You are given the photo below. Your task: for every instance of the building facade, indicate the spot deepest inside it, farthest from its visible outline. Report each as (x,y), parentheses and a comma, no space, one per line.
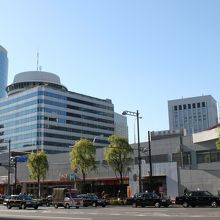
(193,114)
(121,127)
(40,113)
(3,71)
(218,107)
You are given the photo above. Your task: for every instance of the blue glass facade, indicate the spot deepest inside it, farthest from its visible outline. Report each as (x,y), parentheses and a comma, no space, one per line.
(49,119)
(3,71)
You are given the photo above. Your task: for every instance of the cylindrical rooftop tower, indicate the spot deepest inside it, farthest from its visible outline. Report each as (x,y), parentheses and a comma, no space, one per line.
(3,71)
(26,80)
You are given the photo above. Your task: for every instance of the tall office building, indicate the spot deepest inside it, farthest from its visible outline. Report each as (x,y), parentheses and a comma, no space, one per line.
(218,107)
(195,114)
(121,127)
(3,71)
(40,113)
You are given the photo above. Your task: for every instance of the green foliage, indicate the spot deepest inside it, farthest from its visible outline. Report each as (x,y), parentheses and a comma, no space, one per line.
(82,157)
(119,155)
(217,143)
(38,166)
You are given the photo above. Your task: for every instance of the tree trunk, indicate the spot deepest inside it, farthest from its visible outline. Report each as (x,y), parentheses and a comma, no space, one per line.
(121,186)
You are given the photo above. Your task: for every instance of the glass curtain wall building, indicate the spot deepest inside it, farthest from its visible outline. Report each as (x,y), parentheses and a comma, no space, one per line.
(3,71)
(40,113)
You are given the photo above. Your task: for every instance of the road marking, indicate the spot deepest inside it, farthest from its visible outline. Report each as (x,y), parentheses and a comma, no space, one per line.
(46,217)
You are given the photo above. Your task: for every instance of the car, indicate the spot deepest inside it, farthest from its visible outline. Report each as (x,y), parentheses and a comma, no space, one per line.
(197,198)
(45,201)
(2,197)
(149,199)
(91,199)
(21,201)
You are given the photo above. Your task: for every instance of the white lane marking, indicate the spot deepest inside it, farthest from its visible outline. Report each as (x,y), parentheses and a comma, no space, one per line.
(47,217)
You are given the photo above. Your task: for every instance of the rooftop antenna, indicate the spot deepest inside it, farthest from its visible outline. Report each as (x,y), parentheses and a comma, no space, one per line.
(37,59)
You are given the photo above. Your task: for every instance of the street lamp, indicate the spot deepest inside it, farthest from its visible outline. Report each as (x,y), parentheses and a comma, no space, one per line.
(94,139)
(136,114)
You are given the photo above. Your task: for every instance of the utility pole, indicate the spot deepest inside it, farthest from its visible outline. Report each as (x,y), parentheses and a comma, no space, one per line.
(150,160)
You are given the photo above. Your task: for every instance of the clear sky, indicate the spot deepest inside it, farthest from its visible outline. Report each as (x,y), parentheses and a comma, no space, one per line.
(138,53)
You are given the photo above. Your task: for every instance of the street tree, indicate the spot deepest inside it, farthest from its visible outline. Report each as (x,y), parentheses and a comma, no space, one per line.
(119,156)
(217,143)
(38,166)
(82,157)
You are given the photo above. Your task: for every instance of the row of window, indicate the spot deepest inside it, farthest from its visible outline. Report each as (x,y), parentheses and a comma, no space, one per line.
(49,94)
(53,111)
(189,106)
(184,158)
(208,156)
(57,104)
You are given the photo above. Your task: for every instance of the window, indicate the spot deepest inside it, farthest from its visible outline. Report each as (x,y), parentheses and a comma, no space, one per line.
(180,107)
(203,104)
(175,108)
(198,105)
(189,106)
(184,106)
(194,105)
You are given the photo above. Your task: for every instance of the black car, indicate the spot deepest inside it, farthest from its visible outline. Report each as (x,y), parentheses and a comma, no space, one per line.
(198,198)
(47,201)
(2,197)
(149,199)
(21,201)
(92,200)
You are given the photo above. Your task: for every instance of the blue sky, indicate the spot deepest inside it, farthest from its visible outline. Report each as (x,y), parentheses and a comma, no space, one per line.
(138,53)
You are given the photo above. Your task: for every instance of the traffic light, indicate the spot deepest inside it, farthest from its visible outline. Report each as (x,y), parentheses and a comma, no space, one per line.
(13,161)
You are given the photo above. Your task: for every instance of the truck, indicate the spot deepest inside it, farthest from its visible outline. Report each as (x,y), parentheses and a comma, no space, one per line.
(63,197)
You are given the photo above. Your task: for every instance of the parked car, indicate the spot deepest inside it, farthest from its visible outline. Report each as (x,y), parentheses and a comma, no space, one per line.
(45,201)
(198,198)
(66,198)
(149,199)
(21,201)
(92,200)
(2,197)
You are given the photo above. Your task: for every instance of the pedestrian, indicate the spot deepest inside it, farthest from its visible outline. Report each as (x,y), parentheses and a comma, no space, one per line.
(103,194)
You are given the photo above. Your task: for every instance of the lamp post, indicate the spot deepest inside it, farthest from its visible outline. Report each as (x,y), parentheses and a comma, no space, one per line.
(136,114)
(98,136)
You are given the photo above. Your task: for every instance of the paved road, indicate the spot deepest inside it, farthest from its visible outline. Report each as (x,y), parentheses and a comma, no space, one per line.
(110,213)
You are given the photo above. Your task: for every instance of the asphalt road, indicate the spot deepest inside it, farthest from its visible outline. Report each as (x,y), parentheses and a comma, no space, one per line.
(110,213)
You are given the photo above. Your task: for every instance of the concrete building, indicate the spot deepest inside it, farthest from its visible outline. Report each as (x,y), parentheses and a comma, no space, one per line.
(178,162)
(195,114)
(3,71)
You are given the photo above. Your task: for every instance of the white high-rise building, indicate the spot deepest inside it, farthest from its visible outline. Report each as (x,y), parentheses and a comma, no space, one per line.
(195,114)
